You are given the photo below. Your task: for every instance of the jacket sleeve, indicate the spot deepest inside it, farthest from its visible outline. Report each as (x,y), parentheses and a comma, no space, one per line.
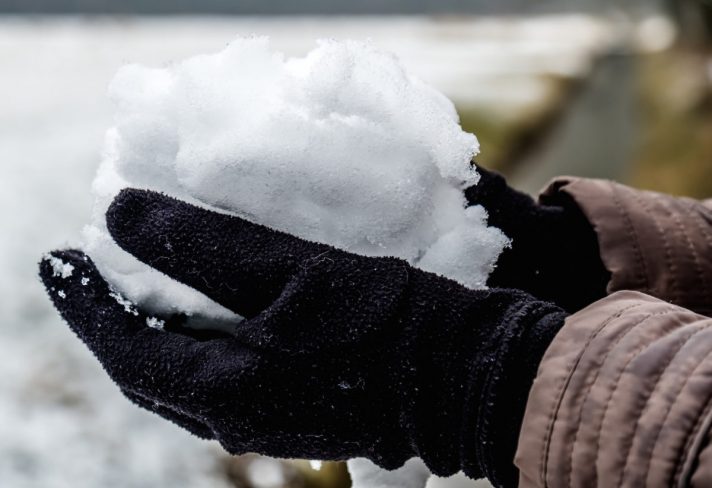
(622,397)
(650,242)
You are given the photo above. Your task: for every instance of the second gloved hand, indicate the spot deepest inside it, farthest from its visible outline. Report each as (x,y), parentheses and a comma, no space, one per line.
(339,355)
(554,253)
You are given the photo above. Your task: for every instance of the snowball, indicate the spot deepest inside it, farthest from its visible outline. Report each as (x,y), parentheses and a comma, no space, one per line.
(342,146)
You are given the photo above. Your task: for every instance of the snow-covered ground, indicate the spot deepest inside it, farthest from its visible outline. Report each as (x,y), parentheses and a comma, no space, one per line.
(62,422)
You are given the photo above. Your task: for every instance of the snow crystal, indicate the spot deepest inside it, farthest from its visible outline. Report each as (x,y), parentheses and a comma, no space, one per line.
(155,323)
(85,281)
(342,146)
(59,267)
(128,305)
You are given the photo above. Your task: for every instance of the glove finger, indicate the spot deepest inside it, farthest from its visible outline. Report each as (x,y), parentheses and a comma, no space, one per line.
(101,317)
(173,369)
(507,209)
(241,265)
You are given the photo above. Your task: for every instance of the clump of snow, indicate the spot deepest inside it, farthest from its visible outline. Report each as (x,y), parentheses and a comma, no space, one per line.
(129,306)
(341,146)
(59,267)
(155,323)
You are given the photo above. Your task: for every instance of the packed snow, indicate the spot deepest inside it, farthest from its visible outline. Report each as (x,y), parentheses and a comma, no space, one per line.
(341,146)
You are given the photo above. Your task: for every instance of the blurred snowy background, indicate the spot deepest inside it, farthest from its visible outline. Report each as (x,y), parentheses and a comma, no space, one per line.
(608,89)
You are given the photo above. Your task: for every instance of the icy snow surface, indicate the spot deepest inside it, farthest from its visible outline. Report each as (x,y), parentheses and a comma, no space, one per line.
(341,146)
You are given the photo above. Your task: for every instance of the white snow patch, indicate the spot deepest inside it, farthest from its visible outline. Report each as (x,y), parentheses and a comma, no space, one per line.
(62,294)
(265,473)
(366,474)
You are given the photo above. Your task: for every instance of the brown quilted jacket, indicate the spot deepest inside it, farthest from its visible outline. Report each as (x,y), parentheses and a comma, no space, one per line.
(623,396)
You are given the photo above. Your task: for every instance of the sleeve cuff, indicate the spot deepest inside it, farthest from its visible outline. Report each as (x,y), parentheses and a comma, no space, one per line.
(649,242)
(621,397)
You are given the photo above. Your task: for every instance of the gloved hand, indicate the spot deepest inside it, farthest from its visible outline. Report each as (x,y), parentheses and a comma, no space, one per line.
(339,355)
(554,254)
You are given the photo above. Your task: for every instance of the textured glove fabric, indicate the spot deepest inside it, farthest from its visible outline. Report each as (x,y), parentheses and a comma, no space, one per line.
(554,253)
(338,356)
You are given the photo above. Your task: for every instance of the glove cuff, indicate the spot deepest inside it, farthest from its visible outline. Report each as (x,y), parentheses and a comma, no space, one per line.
(554,253)
(497,397)
(475,357)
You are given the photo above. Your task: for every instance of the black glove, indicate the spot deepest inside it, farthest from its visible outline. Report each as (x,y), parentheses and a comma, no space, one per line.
(339,355)
(554,254)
